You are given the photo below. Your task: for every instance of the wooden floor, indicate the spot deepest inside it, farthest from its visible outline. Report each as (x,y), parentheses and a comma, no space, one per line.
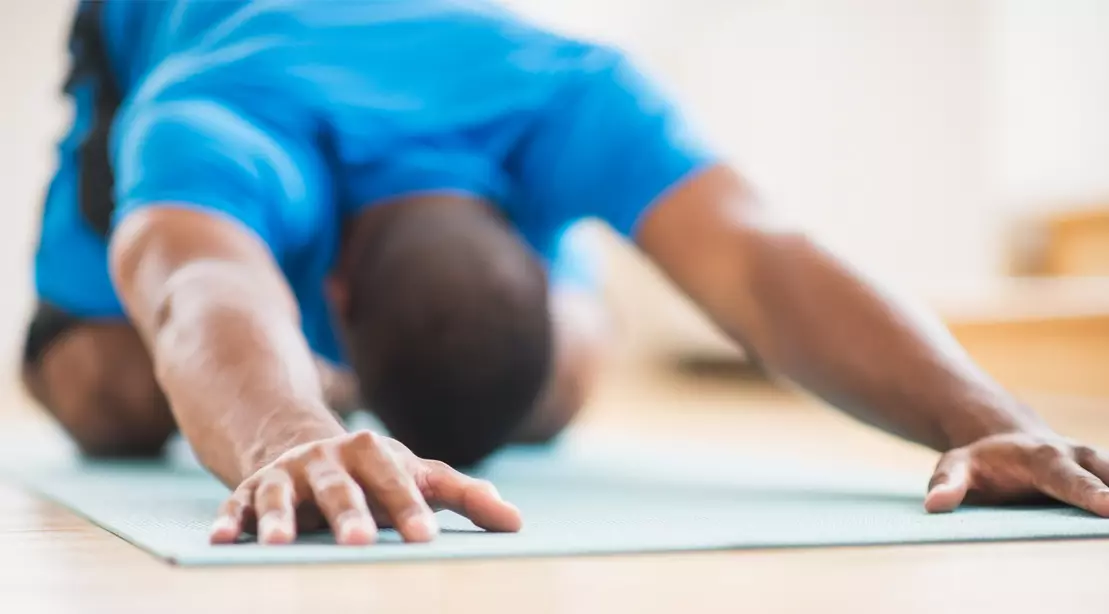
(52,561)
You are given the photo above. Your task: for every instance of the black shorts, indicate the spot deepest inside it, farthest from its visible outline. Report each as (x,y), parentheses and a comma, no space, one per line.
(48,324)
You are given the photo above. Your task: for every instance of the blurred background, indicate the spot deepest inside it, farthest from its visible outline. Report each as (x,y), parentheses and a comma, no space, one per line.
(942,145)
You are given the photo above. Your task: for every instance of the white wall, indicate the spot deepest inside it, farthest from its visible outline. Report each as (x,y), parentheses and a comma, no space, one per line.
(31,118)
(862,117)
(1050,63)
(865,118)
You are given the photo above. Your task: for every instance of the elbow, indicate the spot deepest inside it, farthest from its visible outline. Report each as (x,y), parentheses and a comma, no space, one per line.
(130,243)
(143,277)
(166,260)
(149,254)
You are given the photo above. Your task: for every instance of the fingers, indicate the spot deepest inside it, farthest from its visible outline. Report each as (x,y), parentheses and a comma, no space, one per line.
(1066,480)
(475,499)
(344,477)
(275,506)
(1093,460)
(342,502)
(228,525)
(373,463)
(950,483)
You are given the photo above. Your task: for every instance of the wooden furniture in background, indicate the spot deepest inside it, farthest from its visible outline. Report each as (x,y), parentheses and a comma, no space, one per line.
(1046,335)
(1070,243)
(1046,332)
(1078,243)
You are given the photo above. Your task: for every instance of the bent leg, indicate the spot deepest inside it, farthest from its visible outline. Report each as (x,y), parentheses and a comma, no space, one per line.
(580,324)
(97,380)
(581,337)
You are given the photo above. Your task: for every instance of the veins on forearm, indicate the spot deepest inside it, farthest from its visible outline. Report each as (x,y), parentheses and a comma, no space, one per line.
(877,358)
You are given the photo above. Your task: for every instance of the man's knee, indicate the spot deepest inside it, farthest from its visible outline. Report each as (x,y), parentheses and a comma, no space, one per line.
(560,403)
(97,381)
(451,333)
(581,343)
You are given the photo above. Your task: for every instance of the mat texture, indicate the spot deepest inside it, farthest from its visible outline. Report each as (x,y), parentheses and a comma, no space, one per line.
(584,496)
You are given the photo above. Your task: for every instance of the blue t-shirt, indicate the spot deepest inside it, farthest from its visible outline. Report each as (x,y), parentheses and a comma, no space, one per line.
(290,116)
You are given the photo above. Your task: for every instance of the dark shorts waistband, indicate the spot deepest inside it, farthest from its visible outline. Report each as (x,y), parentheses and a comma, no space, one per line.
(48,324)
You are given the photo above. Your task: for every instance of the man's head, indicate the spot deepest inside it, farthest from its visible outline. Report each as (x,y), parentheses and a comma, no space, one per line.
(447,324)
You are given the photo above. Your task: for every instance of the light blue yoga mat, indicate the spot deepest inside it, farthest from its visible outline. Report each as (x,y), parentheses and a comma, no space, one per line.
(585,496)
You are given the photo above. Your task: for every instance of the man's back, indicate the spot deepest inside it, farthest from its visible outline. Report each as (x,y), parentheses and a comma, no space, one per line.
(367,79)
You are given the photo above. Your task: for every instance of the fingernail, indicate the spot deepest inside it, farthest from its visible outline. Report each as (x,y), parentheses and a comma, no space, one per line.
(270,530)
(265,528)
(355,531)
(425,526)
(222,525)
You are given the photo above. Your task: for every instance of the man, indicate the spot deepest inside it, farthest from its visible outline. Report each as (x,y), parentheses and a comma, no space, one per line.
(383,183)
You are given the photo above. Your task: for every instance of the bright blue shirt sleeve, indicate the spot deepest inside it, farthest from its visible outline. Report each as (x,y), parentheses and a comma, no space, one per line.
(643,147)
(611,150)
(202,154)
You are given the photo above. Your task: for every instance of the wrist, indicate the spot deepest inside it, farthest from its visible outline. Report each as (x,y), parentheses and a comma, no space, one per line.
(981,420)
(284,431)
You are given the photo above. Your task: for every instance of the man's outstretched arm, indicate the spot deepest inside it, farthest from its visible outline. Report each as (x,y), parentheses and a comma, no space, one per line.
(222,327)
(807,315)
(193,259)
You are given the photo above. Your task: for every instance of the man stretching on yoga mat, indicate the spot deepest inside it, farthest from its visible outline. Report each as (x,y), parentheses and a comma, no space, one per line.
(383,184)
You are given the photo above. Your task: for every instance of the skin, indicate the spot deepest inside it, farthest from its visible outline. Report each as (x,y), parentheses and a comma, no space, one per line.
(238,372)
(581,338)
(862,350)
(580,324)
(223,330)
(97,380)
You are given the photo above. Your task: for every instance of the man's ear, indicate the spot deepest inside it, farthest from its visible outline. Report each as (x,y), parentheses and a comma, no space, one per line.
(337,290)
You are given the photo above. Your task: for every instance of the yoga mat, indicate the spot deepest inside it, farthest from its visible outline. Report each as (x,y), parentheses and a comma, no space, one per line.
(584,496)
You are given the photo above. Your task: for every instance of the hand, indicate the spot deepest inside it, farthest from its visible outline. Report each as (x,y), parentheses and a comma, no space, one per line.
(357,482)
(1018,467)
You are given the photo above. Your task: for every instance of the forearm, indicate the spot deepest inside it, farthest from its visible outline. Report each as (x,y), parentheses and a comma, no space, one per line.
(222,327)
(880,359)
(240,379)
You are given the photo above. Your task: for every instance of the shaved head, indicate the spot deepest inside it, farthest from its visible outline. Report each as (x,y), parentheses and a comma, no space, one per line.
(448,324)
